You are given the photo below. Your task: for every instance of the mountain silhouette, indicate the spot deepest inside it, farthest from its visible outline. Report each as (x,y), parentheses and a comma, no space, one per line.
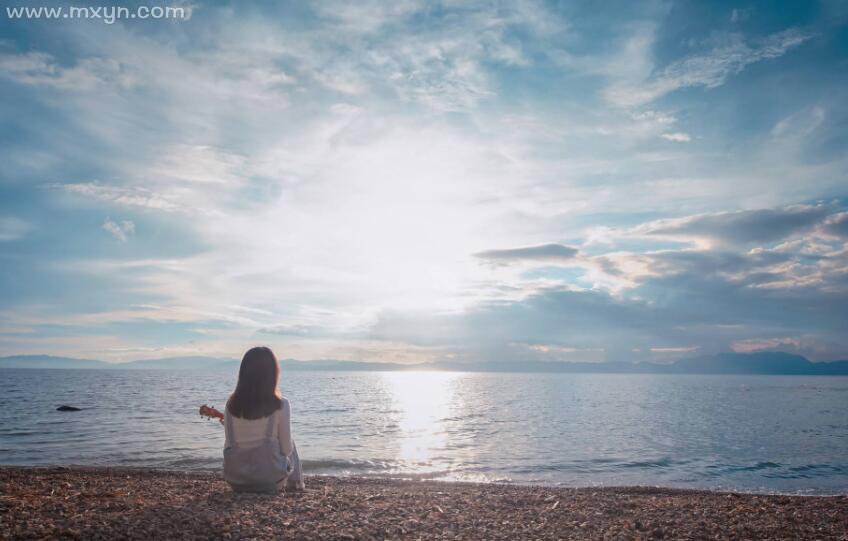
(770,363)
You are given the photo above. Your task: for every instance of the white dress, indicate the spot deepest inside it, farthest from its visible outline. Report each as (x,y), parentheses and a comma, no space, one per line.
(248,431)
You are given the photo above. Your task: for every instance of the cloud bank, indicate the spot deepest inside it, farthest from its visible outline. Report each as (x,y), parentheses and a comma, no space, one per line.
(415,181)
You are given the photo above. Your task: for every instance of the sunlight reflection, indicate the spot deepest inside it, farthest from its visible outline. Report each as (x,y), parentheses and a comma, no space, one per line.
(424,401)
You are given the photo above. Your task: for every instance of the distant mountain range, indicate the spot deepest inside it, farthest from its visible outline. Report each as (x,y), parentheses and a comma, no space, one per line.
(723,363)
(178,363)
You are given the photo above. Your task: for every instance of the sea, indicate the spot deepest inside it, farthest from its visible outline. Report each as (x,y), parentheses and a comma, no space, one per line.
(769,434)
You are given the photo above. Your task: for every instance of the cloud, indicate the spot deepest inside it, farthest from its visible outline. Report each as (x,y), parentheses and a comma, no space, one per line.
(740,227)
(766,344)
(12,228)
(678,137)
(800,124)
(708,70)
(740,15)
(339,164)
(668,302)
(837,225)
(294,330)
(544,252)
(704,301)
(41,69)
(131,196)
(368,16)
(120,231)
(196,164)
(439,59)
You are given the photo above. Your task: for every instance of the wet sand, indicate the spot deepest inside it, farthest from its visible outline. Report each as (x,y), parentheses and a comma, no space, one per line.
(101,503)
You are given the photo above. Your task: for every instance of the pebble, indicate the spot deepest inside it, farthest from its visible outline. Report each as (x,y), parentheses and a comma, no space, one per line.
(100,503)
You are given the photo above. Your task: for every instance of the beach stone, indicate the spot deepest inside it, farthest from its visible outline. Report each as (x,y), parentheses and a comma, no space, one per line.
(126,503)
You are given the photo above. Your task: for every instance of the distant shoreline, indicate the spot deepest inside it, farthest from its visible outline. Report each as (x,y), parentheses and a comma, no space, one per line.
(762,363)
(452,370)
(412,480)
(145,504)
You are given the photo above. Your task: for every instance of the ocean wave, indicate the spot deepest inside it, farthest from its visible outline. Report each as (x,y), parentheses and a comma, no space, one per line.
(733,468)
(649,464)
(809,471)
(597,433)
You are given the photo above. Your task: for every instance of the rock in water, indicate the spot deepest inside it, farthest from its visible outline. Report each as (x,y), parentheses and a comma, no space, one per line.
(67,408)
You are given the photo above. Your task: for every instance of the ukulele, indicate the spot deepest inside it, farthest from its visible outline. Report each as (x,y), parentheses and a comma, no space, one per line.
(211,413)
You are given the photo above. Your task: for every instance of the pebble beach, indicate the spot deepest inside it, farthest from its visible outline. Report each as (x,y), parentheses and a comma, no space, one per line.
(113,503)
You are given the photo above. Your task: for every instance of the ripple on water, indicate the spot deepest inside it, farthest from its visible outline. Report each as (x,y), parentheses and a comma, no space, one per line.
(577,429)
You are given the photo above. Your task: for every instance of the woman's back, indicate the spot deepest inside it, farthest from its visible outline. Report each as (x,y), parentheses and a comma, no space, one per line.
(251,432)
(259,453)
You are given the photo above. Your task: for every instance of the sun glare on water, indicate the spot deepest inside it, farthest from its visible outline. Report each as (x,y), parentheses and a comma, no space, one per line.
(423,401)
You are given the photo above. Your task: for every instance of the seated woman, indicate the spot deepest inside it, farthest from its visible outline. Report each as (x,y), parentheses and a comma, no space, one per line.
(259,452)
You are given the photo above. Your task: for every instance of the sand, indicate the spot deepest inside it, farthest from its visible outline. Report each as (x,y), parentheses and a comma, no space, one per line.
(89,503)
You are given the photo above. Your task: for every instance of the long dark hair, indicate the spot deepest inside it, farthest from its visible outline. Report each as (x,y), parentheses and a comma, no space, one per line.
(256,393)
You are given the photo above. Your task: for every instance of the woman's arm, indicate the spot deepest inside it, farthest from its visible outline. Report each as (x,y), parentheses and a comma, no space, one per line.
(228,437)
(285,429)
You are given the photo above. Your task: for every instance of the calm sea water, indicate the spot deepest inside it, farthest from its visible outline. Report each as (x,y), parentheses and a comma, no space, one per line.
(753,433)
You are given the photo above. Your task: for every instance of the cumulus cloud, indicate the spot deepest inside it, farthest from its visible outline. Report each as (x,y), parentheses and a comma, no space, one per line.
(766,272)
(704,301)
(787,251)
(121,231)
(837,225)
(741,227)
(544,252)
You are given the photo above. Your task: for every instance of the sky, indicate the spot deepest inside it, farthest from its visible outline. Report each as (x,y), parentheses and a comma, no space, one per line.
(417,181)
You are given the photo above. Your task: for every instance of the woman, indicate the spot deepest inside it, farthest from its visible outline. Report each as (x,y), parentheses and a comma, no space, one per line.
(259,453)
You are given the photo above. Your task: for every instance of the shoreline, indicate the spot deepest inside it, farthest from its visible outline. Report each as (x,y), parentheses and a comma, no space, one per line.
(142,503)
(400,478)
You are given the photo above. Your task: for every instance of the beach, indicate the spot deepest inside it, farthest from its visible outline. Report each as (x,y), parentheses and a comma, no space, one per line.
(124,503)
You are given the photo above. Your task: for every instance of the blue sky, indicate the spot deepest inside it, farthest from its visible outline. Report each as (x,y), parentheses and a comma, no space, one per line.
(412,181)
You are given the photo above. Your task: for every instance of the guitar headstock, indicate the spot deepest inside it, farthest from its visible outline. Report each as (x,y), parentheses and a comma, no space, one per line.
(211,413)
